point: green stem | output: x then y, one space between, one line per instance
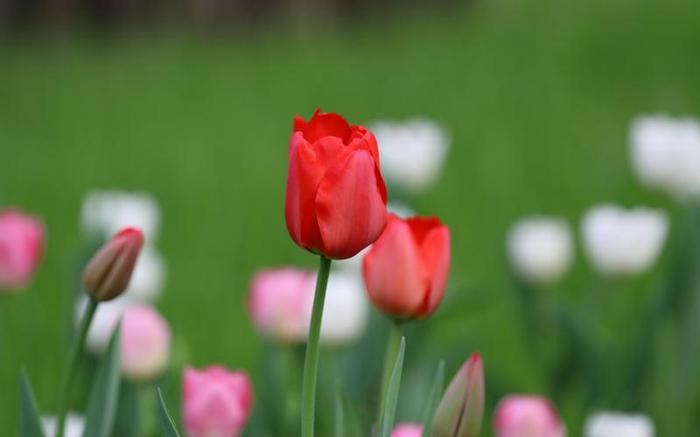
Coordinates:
72 365
308 394
392 348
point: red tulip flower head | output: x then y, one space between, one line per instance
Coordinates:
406 269
336 198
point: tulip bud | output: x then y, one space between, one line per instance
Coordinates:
215 402
613 424
461 409
21 246
407 430
525 416
145 343
336 199
108 272
623 242
406 270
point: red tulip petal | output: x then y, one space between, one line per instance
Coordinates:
307 165
350 210
435 251
323 124
396 279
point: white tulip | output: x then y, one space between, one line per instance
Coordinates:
75 424
412 153
623 242
612 424
345 311
665 153
147 280
105 212
540 248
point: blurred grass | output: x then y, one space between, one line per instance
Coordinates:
537 96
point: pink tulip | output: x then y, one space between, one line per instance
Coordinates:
145 343
407 430
109 271
21 247
527 416
215 402
278 303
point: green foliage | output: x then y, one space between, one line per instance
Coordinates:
166 421
29 420
104 397
392 396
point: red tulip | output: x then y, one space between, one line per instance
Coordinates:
108 273
336 198
406 270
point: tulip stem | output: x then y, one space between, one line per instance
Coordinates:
308 394
392 348
72 366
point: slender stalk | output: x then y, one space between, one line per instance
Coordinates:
392 348
72 365
308 394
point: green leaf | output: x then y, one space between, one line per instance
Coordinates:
29 420
104 397
433 398
347 423
392 396
166 420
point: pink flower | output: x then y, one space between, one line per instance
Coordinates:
21 247
145 343
278 303
215 402
407 430
527 416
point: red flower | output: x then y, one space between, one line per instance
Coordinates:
406 270
336 198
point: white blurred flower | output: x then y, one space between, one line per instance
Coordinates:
400 209
104 321
613 424
345 311
665 153
540 248
147 280
620 241
75 424
412 153
104 212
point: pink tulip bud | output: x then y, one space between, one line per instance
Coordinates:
21 246
407 430
526 416
278 303
145 343
461 409
108 272
215 402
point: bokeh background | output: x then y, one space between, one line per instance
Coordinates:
194 102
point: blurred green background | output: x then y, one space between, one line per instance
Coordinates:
537 97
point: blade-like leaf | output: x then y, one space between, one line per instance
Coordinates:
433 398
347 423
166 420
392 396
29 420
102 405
